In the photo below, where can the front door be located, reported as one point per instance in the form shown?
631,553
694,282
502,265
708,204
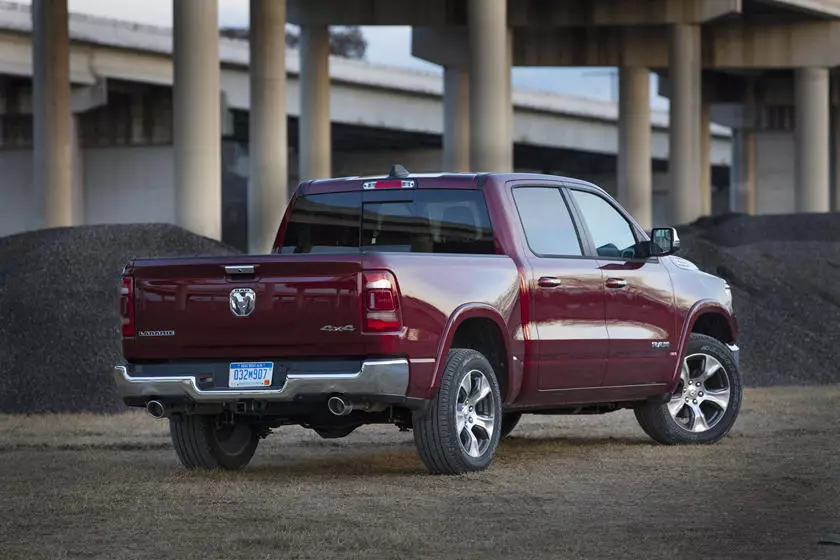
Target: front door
640,316
567,295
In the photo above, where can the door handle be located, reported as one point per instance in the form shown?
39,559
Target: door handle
616,283
549,282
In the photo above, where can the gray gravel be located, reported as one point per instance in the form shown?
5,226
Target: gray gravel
784,271
59,324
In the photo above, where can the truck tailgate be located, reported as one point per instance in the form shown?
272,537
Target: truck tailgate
183,307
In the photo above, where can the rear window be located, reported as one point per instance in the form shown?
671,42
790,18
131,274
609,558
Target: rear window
416,221
324,223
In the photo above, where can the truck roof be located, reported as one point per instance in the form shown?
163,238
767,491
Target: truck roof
428,180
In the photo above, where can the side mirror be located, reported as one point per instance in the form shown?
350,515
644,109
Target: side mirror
664,241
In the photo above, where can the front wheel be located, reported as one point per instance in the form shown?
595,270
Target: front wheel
707,399
213,442
460,430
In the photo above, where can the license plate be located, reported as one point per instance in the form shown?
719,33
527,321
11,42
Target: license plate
251,374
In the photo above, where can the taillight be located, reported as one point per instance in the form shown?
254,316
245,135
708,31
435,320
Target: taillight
380,303
389,184
127,305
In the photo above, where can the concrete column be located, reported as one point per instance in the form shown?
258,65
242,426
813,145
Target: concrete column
509,103
635,185
196,116
835,141
742,173
811,151
268,192
705,158
315,143
52,172
456,120
684,164
77,170
491,148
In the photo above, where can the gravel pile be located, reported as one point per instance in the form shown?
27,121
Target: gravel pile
59,324
785,277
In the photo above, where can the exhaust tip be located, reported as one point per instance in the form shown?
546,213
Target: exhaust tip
156,409
339,406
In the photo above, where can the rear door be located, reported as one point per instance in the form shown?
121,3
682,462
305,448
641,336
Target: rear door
639,296
567,294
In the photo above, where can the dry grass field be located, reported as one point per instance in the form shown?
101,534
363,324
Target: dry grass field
85,486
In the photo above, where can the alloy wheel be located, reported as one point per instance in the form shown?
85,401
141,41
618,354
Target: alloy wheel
702,395
475,414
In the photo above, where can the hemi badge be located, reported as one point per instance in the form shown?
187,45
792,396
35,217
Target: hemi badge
659,344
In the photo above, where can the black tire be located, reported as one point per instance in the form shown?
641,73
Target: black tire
656,420
203,442
435,432
509,422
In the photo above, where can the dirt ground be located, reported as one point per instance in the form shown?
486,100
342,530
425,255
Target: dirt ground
84,486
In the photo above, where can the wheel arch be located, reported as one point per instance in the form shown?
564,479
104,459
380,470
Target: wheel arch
707,317
480,327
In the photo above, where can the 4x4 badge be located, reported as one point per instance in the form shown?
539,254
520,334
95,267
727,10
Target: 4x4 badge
331,328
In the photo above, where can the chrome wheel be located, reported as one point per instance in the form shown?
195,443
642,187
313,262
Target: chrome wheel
702,395
475,413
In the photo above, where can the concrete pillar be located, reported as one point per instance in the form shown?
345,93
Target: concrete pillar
456,120
52,172
196,117
742,172
268,192
705,158
685,79
509,102
77,171
635,185
835,141
491,148
811,151
315,142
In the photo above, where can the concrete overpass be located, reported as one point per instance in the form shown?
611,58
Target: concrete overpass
124,147
724,57
760,66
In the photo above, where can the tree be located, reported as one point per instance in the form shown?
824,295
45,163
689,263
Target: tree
348,42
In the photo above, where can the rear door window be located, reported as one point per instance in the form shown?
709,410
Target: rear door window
547,222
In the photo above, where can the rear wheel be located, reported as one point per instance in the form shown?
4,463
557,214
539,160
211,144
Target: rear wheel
460,430
213,442
706,401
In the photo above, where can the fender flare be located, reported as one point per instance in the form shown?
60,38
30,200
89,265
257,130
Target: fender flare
483,311
699,308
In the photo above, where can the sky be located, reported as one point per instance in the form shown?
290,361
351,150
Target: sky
386,45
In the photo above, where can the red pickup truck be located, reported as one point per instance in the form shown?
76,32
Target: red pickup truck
446,304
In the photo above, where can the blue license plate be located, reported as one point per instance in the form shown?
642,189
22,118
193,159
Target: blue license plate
251,374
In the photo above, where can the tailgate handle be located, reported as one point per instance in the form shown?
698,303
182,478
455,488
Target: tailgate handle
239,269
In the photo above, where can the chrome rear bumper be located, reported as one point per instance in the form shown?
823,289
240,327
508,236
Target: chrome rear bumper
376,378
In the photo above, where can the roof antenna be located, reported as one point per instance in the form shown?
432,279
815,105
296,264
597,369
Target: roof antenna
398,172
